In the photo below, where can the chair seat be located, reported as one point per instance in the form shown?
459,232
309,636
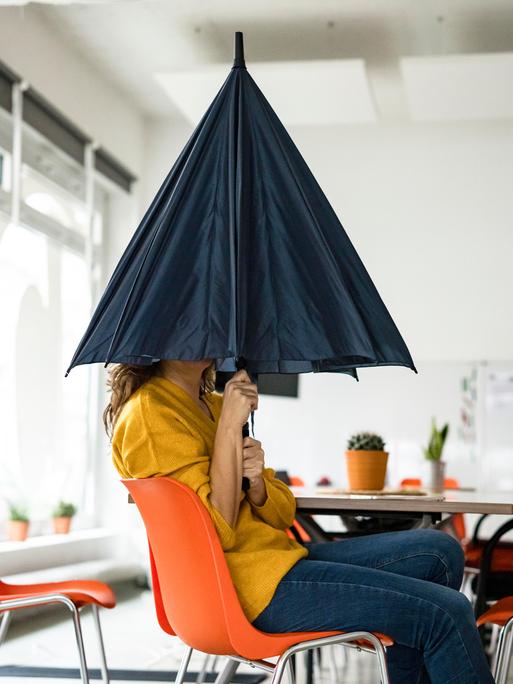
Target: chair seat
288,639
264,645
502,558
500,613
81,592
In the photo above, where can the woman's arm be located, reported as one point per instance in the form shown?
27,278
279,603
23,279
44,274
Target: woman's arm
240,398
270,498
279,507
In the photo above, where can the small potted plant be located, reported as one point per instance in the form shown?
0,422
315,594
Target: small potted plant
433,453
18,524
366,461
62,515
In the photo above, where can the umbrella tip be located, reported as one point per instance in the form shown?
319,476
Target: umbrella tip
238,60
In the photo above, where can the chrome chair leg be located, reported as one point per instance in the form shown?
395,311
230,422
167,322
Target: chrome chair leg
226,674
333,663
504,651
47,599
290,671
180,675
498,666
203,671
80,644
101,645
382,658
349,639
4,625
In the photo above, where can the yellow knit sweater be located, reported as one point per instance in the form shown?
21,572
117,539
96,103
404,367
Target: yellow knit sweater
161,431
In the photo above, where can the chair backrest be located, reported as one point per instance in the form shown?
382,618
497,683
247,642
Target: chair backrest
449,482
157,597
194,583
411,482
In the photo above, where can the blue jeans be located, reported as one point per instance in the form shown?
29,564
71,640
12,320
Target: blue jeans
403,584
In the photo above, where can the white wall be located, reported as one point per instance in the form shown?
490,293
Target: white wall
429,209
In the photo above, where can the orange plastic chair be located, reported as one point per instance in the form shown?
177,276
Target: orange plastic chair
74,595
411,482
197,592
501,614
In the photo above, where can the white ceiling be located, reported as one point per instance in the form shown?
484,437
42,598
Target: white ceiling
459,87
131,41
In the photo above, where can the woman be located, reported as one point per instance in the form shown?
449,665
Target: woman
167,420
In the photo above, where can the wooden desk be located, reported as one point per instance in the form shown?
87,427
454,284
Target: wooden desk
454,501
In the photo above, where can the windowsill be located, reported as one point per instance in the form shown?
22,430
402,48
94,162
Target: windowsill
54,550
51,540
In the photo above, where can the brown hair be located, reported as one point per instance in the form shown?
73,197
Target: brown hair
124,379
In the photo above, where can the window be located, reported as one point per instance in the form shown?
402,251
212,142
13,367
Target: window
45,302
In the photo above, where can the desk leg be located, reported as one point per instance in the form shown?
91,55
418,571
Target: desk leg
427,521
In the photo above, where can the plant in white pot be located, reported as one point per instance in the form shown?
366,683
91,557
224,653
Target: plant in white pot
433,453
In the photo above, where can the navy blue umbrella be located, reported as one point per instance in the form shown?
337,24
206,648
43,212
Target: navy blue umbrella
241,258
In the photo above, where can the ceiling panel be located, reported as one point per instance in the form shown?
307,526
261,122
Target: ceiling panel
459,87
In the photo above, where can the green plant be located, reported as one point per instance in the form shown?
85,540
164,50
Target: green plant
365,441
434,449
18,513
64,510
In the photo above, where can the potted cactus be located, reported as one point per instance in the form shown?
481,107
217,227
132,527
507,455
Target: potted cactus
62,516
18,524
433,453
366,461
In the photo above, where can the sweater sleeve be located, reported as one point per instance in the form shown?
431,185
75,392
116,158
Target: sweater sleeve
279,508
156,443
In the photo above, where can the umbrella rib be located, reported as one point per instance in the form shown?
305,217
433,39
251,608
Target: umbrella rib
268,234
234,218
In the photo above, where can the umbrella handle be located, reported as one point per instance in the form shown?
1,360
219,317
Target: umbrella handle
245,481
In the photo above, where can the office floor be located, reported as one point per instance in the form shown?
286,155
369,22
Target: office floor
132,640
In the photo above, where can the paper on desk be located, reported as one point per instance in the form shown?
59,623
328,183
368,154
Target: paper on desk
375,494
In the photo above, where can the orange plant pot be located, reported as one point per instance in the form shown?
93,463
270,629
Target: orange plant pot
17,530
366,469
61,524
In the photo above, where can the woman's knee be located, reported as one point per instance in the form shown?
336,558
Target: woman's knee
452,552
448,552
459,609
450,612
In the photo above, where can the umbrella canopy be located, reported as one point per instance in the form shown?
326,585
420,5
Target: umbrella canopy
241,258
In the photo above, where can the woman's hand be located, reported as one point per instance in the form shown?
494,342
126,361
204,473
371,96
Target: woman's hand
253,468
239,399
